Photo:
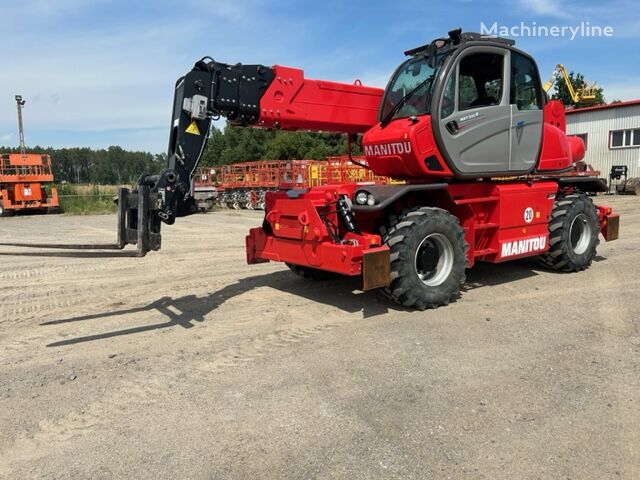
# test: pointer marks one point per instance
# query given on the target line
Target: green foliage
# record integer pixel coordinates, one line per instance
(234, 145)
(86, 199)
(468, 90)
(111, 166)
(561, 91)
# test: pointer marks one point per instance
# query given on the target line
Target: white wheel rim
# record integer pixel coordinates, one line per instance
(580, 234)
(434, 259)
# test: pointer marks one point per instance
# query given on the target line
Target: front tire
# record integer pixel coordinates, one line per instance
(573, 234)
(428, 258)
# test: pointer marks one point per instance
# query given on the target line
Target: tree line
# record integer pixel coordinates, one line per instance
(232, 145)
(111, 166)
(115, 165)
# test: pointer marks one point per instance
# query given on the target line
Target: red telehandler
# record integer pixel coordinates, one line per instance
(490, 174)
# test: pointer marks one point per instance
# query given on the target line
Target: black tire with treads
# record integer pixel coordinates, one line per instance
(404, 236)
(561, 254)
(5, 213)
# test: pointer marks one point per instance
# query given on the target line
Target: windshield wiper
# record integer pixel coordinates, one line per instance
(387, 118)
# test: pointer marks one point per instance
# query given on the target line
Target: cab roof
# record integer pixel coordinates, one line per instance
(455, 40)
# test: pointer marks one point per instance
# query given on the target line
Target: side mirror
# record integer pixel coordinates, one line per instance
(432, 51)
(432, 55)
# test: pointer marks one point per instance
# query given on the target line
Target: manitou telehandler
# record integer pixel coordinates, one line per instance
(490, 173)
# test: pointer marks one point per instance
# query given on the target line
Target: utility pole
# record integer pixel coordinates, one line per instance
(20, 103)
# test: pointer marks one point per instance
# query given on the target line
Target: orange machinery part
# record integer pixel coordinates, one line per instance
(286, 174)
(22, 180)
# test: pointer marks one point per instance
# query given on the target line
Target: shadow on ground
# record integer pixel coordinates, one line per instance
(74, 250)
(341, 293)
(78, 254)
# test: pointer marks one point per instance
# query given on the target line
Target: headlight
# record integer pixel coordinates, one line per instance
(365, 198)
(362, 198)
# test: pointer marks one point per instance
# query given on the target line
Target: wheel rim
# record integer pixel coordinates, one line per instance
(434, 259)
(580, 234)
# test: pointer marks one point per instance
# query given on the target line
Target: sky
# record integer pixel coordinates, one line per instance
(98, 72)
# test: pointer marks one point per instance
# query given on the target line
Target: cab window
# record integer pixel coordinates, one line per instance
(414, 74)
(409, 91)
(449, 97)
(480, 81)
(525, 83)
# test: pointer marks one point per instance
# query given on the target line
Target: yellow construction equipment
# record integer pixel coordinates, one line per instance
(586, 93)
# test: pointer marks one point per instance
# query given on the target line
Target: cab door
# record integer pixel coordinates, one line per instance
(526, 113)
(474, 126)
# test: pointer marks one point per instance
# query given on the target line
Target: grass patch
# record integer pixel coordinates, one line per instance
(87, 199)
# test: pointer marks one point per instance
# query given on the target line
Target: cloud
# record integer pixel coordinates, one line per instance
(621, 90)
(549, 8)
(12, 13)
(7, 137)
(152, 139)
(229, 10)
(627, 29)
(90, 74)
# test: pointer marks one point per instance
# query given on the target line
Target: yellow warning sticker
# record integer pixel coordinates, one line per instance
(193, 128)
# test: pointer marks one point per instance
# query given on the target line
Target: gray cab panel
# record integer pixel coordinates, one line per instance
(484, 126)
(526, 139)
(482, 145)
(527, 117)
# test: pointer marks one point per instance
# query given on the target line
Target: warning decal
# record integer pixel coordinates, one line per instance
(193, 128)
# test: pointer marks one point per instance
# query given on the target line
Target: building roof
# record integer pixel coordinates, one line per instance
(604, 107)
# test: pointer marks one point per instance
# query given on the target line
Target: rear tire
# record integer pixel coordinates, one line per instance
(311, 273)
(428, 258)
(5, 213)
(573, 234)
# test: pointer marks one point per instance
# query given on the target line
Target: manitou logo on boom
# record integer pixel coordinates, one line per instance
(396, 148)
(526, 245)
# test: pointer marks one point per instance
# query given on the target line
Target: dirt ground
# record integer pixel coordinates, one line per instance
(191, 364)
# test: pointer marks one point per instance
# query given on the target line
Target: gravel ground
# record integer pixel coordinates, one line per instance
(190, 364)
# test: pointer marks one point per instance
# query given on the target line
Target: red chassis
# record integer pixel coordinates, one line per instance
(502, 221)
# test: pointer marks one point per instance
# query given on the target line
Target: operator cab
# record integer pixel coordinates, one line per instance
(466, 106)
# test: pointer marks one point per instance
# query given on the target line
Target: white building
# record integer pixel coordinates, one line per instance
(611, 134)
